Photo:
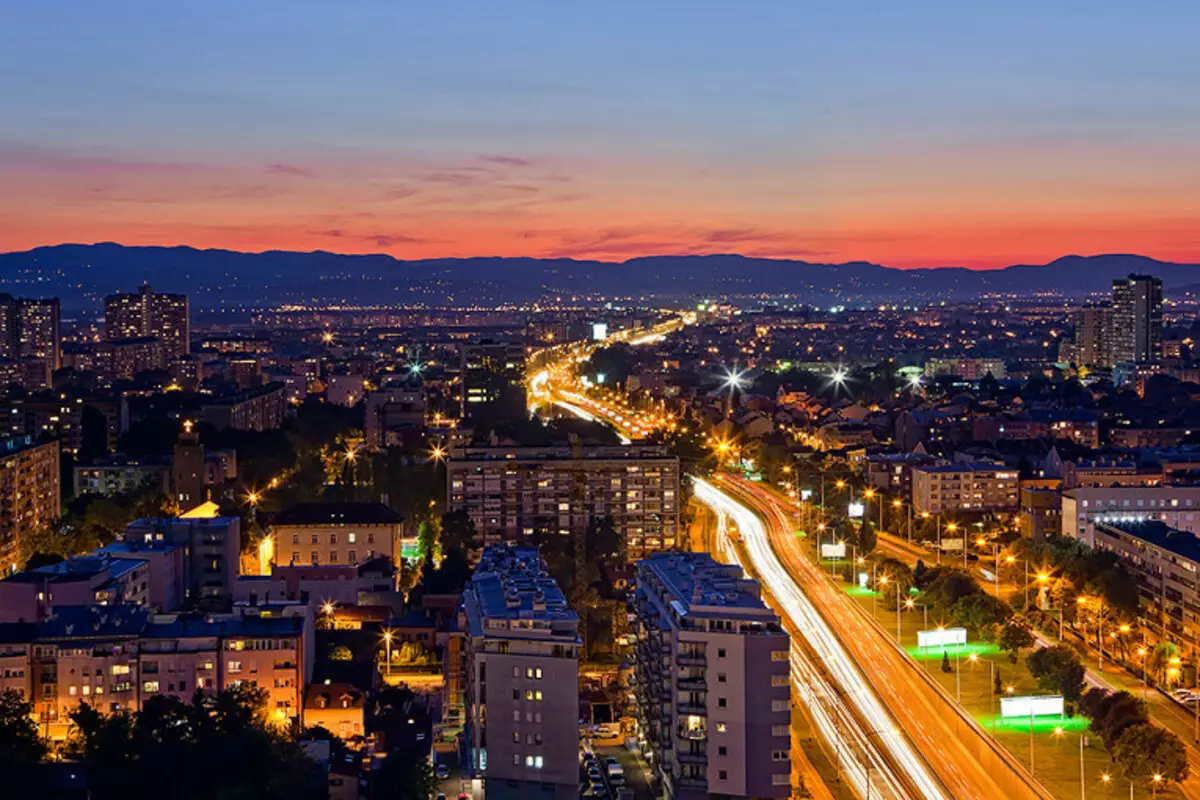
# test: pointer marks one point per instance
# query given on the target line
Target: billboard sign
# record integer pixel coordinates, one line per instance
(1042, 706)
(833, 550)
(941, 637)
(855, 510)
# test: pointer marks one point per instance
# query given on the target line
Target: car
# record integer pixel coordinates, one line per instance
(443, 772)
(441, 796)
(598, 789)
(593, 774)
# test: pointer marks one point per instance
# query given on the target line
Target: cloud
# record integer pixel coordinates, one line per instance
(506, 161)
(291, 169)
(380, 240)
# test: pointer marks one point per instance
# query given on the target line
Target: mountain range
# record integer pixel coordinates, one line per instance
(82, 274)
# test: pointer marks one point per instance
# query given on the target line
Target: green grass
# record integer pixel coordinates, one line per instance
(963, 651)
(858, 591)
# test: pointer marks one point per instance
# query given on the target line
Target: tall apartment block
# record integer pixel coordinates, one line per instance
(145, 313)
(711, 680)
(521, 678)
(30, 495)
(31, 329)
(1092, 328)
(514, 492)
(493, 378)
(965, 487)
(1136, 335)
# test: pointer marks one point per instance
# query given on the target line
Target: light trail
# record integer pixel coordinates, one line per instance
(590, 417)
(872, 719)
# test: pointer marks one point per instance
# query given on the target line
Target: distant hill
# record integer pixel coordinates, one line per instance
(82, 274)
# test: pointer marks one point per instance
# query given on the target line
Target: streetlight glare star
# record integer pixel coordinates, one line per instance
(733, 378)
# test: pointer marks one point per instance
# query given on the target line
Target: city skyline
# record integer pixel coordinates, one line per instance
(938, 135)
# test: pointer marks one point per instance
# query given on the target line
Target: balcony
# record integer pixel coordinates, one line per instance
(693, 685)
(693, 710)
(693, 734)
(689, 660)
(691, 758)
(692, 782)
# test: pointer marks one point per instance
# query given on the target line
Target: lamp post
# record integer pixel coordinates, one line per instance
(974, 659)
(387, 641)
(951, 527)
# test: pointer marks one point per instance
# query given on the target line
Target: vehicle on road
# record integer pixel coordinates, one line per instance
(443, 772)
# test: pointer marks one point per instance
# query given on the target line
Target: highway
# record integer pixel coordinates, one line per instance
(959, 751)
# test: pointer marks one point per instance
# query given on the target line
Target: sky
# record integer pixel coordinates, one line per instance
(910, 134)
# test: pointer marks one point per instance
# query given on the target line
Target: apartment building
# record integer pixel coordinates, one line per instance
(964, 487)
(260, 409)
(711, 680)
(212, 545)
(336, 533)
(147, 314)
(513, 492)
(970, 369)
(1136, 322)
(1165, 562)
(30, 495)
(117, 657)
(1175, 506)
(493, 378)
(521, 678)
(118, 474)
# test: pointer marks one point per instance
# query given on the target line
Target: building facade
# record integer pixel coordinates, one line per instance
(521, 692)
(30, 494)
(260, 409)
(1093, 325)
(493, 378)
(336, 534)
(960, 487)
(212, 545)
(711, 680)
(165, 317)
(1083, 508)
(1136, 336)
(511, 493)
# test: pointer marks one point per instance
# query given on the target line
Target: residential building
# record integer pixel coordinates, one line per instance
(123, 359)
(97, 579)
(711, 680)
(1136, 322)
(212, 545)
(1156, 436)
(260, 409)
(30, 339)
(1165, 562)
(45, 416)
(337, 707)
(117, 657)
(493, 379)
(969, 369)
(1093, 325)
(30, 494)
(1040, 513)
(521, 692)
(336, 534)
(115, 475)
(514, 492)
(964, 487)
(391, 412)
(188, 468)
(164, 317)
(1175, 506)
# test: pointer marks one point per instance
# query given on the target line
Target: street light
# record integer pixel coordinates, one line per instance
(387, 640)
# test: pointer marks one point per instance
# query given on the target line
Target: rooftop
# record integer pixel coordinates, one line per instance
(701, 586)
(510, 583)
(1182, 543)
(338, 514)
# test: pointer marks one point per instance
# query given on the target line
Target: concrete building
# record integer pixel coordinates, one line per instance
(1165, 561)
(260, 409)
(119, 474)
(1040, 512)
(1175, 506)
(30, 494)
(118, 657)
(336, 534)
(392, 412)
(964, 487)
(46, 416)
(493, 379)
(1136, 321)
(711, 680)
(122, 359)
(970, 369)
(1092, 328)
(97, 579)
(211, 544)
(164, 317)
(521, 692)
(512, 493)
(188, 468)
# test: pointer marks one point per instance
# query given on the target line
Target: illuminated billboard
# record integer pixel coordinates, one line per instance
(599, 331)
(854, 510)
(833, 551)
(1043, 706)
(941, 637)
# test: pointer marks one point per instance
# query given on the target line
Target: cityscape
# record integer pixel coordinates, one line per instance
(398, 404)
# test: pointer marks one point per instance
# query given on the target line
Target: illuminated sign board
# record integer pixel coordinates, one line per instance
(833, 551)
(862, 580)
(1043, 706)
(940, 637)
(854, 510)
(806, 494)
(952, 544)
(599, 331)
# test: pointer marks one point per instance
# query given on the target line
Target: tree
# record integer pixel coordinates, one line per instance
(405, 776)
(982, 614)
(458, 532)
(1014, 638)
(603, 544)
(1057, 668)
(866, 537)
(426, 541)
(1159, 661)
(945, 586)
(21, 749)
(997, 683)
(1110, 713)
(1145, 750)
(946, 662)
(340, 653)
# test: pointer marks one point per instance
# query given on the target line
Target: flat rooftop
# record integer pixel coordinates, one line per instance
(510, 584)
(703, 586)
(1182, 543)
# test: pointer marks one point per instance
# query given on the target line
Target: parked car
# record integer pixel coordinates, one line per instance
(443, 772)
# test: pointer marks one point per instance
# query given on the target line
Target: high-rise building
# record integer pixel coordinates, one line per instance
(521, 678)
(1092, 326)
(30, 328)
(493, 379)
(30, 495)
(711, 680)
(146, 313)
(187, 470)
(212, 545)
(513, 493)
(1136, 327)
